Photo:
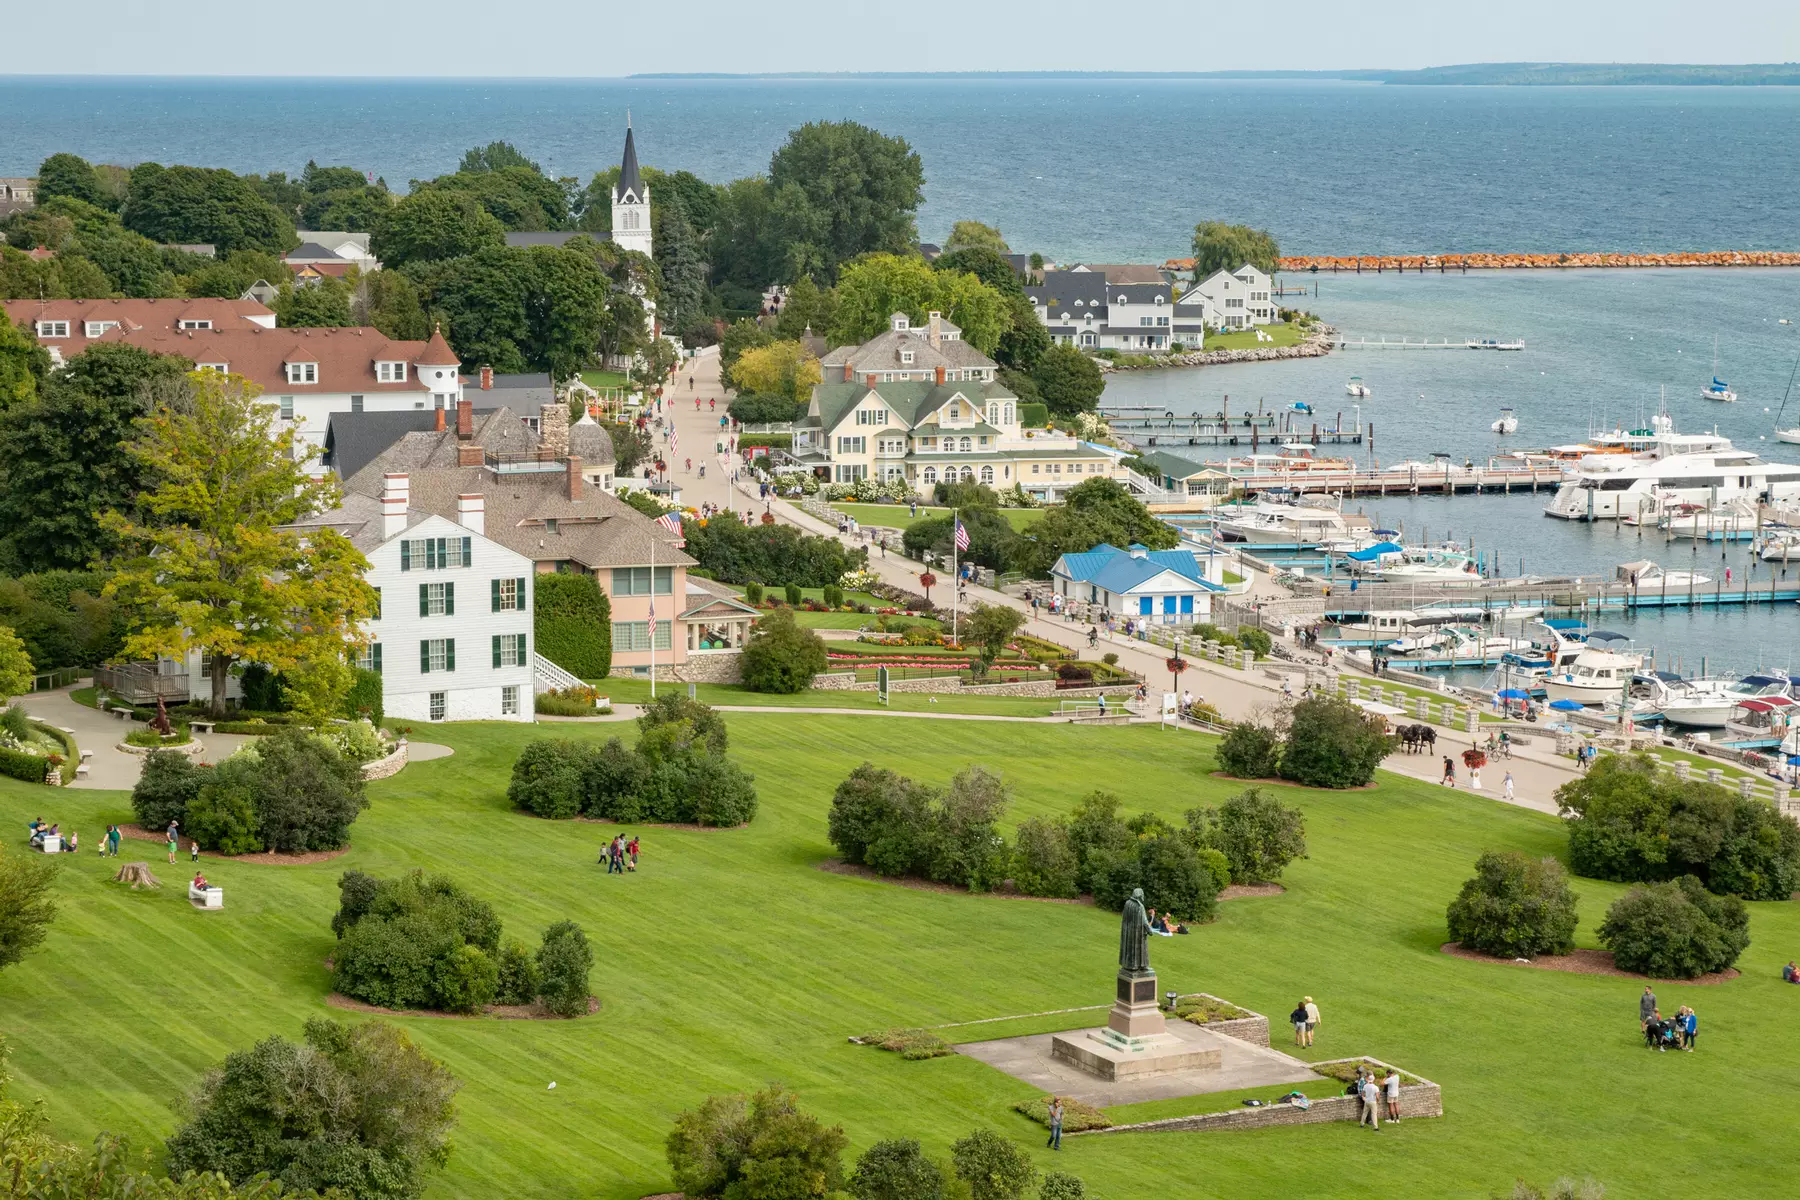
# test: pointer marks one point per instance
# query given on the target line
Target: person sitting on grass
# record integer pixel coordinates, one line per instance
(1790, 973)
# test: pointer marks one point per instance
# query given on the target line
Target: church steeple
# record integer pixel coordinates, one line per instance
(631, 201)
(629, 184)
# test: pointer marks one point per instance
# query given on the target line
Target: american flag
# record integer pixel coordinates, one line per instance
(962, 535)
(653, 620)
(670, 522)
(674, 441)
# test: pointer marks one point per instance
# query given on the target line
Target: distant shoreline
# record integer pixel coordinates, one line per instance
(1460, 75)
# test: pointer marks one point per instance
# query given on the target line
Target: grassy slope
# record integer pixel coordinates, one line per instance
(730, 960)
(637, 691)
(1285, 334)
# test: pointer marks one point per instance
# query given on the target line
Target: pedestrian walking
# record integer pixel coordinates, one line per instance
(112, 840)
(1506, 786)
(631, 848)
(1646, 1007)
(1391, 1085)
(1056, 1119)
(1312, 1020)
(1371, 1103)
(1299, 1018)
(1449, 772)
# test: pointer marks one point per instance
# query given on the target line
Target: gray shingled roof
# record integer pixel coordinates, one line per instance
(882, 353)
(912, 401)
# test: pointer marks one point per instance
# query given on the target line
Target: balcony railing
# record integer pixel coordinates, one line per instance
(142, 683)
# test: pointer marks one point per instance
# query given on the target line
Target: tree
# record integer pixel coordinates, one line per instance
(896, 1169)
(15, 665)
(1093, 511)
(518, 197)
(993, 542)
(993, 1167)
(681, 257)
(307, 793)
(316, 179)
(760, 1147)
(1675, 930)
(389, 301)
(873, 288)
(808, 307)
(1257, 834)
(705, 725)
(432, 224)
(563, 962)
(991, 627)
(495, 156)
(1332, 743)
(1059, 1185)
(68, 175)
(968, 235)
(208, 565)
(1515, 907)
(26, 905)
(965, 847)
(1250, 750)
(192, 204)
(355, 1107)
(23, 366)
(739, 338)
(1068, 381)
(1044, 862)
(779, 368)
(359, 208)
(1218, 246)
(781, 657)
(1024, 343)
(325, 303)
(861, 189)
(65, 456)
(572, 624)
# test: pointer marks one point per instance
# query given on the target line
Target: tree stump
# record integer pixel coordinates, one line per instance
(138, 875)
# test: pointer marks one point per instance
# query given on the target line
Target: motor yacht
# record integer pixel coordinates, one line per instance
(1779, 545)
(1356, 387)
(1601, 672)
(1280, 523)
(1646, 576)
(1673, 468)
(1695, 703)
(1429, 565)
(1507, 422)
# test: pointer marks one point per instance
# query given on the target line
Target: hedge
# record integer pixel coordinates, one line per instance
(1033, 415)
(574, 624)
(16, 764)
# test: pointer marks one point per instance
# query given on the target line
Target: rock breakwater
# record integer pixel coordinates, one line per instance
(1514, 262)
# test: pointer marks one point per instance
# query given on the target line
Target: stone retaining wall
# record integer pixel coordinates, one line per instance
(1423, 1099)
(1253, 1028)
(711, 667)
(1316, 345)
(381, 768)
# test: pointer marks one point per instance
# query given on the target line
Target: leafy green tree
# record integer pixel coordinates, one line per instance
(993, 542)
(873, 288)
(354, 1107)
(760, 1147)
(518, 197)
(432, 224)
(739, 337)
(390, 302)
(1257, 834)
(681, 257)
(205, 561)
(325, 303)
(318, 180)
(861, 190)
(359, 208)
(807, 307)
(69, 175)
(495, 156)
(1059, 1185)
(990, 627)
(65, 456)
(993, 1167)
(1044, 861)
(563, 962)
(23, 366)
(192, 204)
(1218, 246)
(780, 656)
(1332, 743)
(1024, 343)
(1250, 750)
(896, 1169)
(780, 368)
(986, 263)
(1675, 930)
(27, 905)
(968, 235)
(1068, 381)
(544, 308)
(1515, 907)
(768, 554)
(229, 277)
(1093, 511)
(15, 665)
(572, 624)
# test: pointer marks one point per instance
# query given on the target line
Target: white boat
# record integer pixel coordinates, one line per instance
(1356, 387)
(1272, 523)
(1670, 468)
(1507, 422)
(1433, 565)
(1718, 390)
(1647, 576)
(1790, 436)
(1495, 344)
(1695, 703)
(1733, 520)
(1779, 545)
(1601, 672)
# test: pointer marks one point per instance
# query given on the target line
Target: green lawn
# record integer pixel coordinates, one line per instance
(603, 379)
(899, 516)
(1285, 334)
(637, 691)
(730, 961)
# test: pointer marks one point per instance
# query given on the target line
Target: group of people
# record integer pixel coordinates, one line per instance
(1162, 926)
(620, 855)
(71, 842)
(1306, 1021)
(1375, 1095)
(1662, 1032)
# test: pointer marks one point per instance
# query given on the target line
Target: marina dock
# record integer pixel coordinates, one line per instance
(1150, 427)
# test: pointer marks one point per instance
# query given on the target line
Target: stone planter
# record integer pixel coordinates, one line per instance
(381, 768)
(192, 748)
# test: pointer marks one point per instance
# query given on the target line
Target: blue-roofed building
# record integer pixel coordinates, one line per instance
(1162, 587)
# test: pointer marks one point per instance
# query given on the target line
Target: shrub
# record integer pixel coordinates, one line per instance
(403, 943)
(780, 657)
(263, 690)
(1255, 640)
(1175, 880)
(152, 739)
(897, 827)
(357, 741)
(1515, 907)
(548, 778)
(572, 623)
(614, 779)
(1250, 751)
(518, 980)
(1060, 1185)
(27, 906)
(792, 592)
(912, 1045)
(966, 847)
(567, 702)
(1110, 658)
(563, 963)
(993, 1167)
(1675, 930)
(1095, 826)
(1044, 861)
(833, 596)
(363, 700)
(1257, 834)
(672, 707)
(896, 1169)
(760, 1147)
(1033, 415)
(1112, 874)
(168, 784)
(222, 817)
(1077, 1115)
(1331, 743)
(307, 793)
(16, 721)
(753, 594)
(30, 768)
(467, 980)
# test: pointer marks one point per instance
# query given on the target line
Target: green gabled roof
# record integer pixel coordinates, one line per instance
(912, 401)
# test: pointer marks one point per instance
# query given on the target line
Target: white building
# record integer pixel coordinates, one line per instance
(1236, 299)
(452, 636)
(631, 202)
(1157, 587)
(1087, 309)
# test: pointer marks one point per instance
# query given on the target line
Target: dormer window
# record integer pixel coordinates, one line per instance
(303, 372)
(96, 328)
(390, 372)
(190, 324)
(1159, 299)
(221, 368)
(906, 356)
(53, 329)
(1079, 303)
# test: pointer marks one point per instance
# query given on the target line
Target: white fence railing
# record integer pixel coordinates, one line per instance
(550, 678)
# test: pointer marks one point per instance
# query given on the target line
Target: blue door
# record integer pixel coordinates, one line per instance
(1187, 605)
(1168, 606)
(1144, 603)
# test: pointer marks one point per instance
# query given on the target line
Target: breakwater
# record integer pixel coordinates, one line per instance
(1359, 263)
(1318, 343)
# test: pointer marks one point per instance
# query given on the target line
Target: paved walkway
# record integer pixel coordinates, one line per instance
(1236, 694)
(110, 767)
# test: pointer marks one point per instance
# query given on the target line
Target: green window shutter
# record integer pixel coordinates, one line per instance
(405, 555)
(468, 545)
(424, 599)
(496, 649)
(375, 657)
(449, 599)
(524, 649)
(424, 658)
(519, 595)
(449, 654)
(378, 604)
(494, 595)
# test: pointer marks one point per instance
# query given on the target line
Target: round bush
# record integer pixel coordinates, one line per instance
(223, 818)
(1675, 930)
(1044, 859)
(896, 1169)
(1255, 640)
(168, 784)
(780, 657)
(1515, 907)
(1331, 743)
(1250, 751)
(519, 981)
(547, 778)
(563, 962)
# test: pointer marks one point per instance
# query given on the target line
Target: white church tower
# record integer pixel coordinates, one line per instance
(631, 202)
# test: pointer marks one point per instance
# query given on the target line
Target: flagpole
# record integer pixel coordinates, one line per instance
(955, 572)
(653, 540)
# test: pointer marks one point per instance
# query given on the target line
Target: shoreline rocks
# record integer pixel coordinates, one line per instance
(1514, 262)
(1316, 345)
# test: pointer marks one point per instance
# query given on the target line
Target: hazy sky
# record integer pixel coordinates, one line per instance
(577, 38)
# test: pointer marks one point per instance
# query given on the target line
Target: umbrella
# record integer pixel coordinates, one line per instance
(1566, 705)
(1514, 694)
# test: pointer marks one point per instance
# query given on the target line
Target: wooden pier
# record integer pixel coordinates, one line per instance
(1147, 427)
(1383, 343)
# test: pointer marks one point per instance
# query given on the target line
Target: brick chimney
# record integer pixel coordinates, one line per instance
(487, 379)
(848, 368)
(936, 334)
(394, 493)
(553, 430)
(940, 376)
(869, 379)
(574, 477)
(465, 419)
(440, 420)
(469, 455)
(471, 513)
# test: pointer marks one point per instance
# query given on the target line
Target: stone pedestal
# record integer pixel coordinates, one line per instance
(1135, 1041)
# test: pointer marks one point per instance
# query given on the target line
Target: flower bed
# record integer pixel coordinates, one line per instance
(910, 1044)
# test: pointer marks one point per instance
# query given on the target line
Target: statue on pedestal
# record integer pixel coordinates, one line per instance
(1134, 934)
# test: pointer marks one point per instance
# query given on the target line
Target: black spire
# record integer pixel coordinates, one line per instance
(628, 170)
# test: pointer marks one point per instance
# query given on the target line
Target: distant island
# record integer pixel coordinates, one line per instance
(1467, 75)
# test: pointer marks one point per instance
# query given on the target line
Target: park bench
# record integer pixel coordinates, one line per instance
(210, 897)
(52, 844)
(199, 726)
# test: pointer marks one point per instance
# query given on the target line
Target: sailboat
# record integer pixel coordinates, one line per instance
(1507, 422)
(1718, 390)
(1790, 435)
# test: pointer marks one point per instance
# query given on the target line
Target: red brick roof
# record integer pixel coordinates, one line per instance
(346, 358)
(437, 352)
(136, 314)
